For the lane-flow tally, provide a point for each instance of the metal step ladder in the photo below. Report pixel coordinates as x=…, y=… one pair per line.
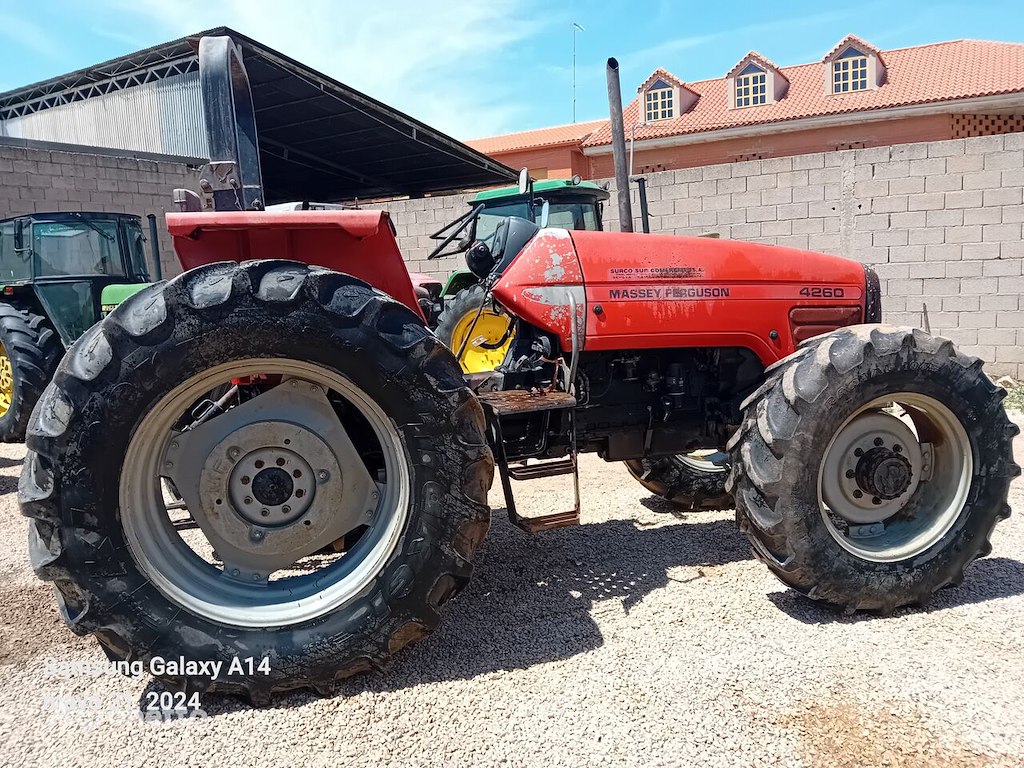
x=513, y=402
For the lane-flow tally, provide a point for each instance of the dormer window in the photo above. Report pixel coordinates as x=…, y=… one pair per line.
x=659, y=102
x=754, y=82
x=853, y=65
x=850, y=72
x=751, y=87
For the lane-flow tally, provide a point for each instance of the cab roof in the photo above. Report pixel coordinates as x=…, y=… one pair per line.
x=544, y=186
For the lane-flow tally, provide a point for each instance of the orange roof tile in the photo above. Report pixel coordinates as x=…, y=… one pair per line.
x=574, y=133
x=936, y=72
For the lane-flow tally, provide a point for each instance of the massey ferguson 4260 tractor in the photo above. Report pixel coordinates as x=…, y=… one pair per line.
x=263, y=457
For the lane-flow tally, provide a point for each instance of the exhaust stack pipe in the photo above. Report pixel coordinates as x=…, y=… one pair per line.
x=619, y=147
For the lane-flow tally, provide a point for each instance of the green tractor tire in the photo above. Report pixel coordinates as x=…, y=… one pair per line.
x=29, y=353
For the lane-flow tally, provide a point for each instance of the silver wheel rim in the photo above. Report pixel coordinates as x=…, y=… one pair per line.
x=703, y=461
x=195, y=584
x=895, y=477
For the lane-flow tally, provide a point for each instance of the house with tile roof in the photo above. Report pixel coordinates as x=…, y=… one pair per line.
x=856, y=96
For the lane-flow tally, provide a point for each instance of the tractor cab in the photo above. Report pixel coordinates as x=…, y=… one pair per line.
x=69, y=266
x=572, y=204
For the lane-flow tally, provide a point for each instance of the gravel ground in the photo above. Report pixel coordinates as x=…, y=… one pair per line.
x=639, y=637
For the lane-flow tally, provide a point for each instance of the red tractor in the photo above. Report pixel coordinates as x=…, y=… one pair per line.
x=271, y=455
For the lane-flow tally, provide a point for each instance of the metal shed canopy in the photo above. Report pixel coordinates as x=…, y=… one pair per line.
x=319, y=139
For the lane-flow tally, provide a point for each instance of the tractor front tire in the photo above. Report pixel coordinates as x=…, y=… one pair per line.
x=104, y=428
x=29, y=353
x=872, y=466
x=684, y=480
x=461, y=323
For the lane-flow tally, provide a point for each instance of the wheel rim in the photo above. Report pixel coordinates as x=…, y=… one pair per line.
x=6, y=381
x=316, y=583
x=709, y=461
x=489, y=329
x=895, y=477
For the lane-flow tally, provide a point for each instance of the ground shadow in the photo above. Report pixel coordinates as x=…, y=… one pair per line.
x=988, y=579
x=8, y=485
x=531, y=597
x=7, y=462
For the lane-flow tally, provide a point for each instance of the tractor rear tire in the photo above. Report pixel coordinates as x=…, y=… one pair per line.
x=32, y=351
x=456, y=329
x=896, y=522
x=684, y=483
x=222, y=317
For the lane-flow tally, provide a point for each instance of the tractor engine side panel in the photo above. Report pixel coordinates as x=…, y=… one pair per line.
x=649, y=291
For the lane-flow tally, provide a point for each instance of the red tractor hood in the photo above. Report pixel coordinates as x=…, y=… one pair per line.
x=636, y=291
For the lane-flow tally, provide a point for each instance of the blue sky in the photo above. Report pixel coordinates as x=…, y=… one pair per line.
x=488, y=66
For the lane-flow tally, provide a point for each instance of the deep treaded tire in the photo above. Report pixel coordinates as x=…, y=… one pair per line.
x=34, y=351
x=206, y=317
x=788, y=424
x=685, y=486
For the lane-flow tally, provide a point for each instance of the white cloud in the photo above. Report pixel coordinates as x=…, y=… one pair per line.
x=428, y=58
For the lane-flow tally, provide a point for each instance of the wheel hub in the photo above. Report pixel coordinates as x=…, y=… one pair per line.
x=883, y=473
x=272, y=486
x=872, y=469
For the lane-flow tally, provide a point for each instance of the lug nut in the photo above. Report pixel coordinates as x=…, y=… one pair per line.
x=259, y=463
x=234, y=453
x=858, y=452
x=851, y=474
x=247, y=500
x=897, y=448
x=878, y=442
x=875, y=500
x=255, y=577
x=281, y=462
x=265, y=512
x=286, y=509
x=857, y=494
x=297, y=473
x=322, y=475
x=257, y=534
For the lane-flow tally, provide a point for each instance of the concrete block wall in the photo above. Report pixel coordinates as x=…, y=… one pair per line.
x=415, y=220
x=34, y=180
x=941, y=223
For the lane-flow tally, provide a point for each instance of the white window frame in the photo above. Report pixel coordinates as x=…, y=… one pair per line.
x=850, y=74
x=751, y=90
x=659, y=104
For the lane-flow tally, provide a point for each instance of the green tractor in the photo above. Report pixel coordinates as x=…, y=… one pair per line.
x=481, y=335
x=59, y=274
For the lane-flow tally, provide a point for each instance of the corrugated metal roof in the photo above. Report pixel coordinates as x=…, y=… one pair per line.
x=319, y=139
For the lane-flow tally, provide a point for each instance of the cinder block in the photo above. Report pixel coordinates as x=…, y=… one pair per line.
x=779, y=196
x=908, y=220
x=964, y=268
x=983, y=144
x=952, y=217
x=982, y=179
x=967, y=234
x=1013, y=214
x=714, y=172
x=998, y=336
x=777, y=165
x=871, y=188
x=909, y=151
x=807, y=162
x=809, y=194
x=901, y=251
x=792, y=211
x=1009, y=319
x=732, y=216
x=909, y=186
x=704, y=219
x=808, y=226
x=927, y=269
x=1013, y=178
x=763, y=213
x=927, y=236
x=686, y=175
x=1000, y=267
x=746, y=168
x=983, y=215
x=1000, y=302
x=928, y=201
x=971, y=198
x=890, y=204
x=745, y=231
x=980, y=250
x=764, y=181
x=872, y=155
x=965, y=163
x=777, y=228
x=687, y=205
x=825, y=243
x=961, y=336
x=1013, y=285
x=732, y=184
x=995, y=233
x=1005, y=160
x=946, y=148
x=716, y=203
x=702, y=188
x=943, y=252
x=1011, y=250
x=893, y=271
x=977, y=286
x=950, y=182
x=675, y=191
x=792, y=179
x=894, y=169
x=961, y=303
x=1013, y=141
x=825, y=176
x=821, y=208
x=932, y=166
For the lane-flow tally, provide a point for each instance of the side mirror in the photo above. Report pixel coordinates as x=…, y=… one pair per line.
x=545, y=210
x=19, y=235
x=524, y=180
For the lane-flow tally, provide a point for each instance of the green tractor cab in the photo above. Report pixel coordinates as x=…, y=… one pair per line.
x=59, y=274
x=480, y=337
